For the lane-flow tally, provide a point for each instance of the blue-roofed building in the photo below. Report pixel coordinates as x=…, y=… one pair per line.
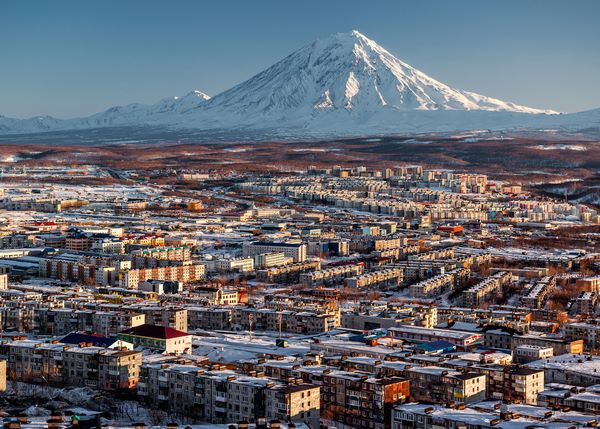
x=435, y=347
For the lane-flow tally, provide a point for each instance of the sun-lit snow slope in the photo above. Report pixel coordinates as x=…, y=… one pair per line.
x=342, y=85
x=346, y=71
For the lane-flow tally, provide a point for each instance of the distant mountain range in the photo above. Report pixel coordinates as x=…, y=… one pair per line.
x=344, y=85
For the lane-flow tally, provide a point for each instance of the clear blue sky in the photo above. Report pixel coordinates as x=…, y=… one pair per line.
x=74, y=58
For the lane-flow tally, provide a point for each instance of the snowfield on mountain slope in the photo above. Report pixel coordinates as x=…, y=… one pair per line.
x=346, y=78
x=342, y=85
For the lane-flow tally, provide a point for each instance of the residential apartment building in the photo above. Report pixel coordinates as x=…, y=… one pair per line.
x=588, y=332
x=170, y=316
x=438, y=285
x=330, y=276
x=486, y=290
x=507, y=339
x=223, y=265
x=328, y=247
x=217, y=295
x=441, y=385
x=222, y=396
x=274, y=259
x=210, y=318
x=173, y=253
x=297, y=251
x=375, y=243
x=536, y=295
x=359, y=400
x=83, y=365
x=425, y=317
x=61, y=321
x=589, y=284
x=389, y=277
x=513, y=383
x=587, y=302
x=294, y=402
x=424, y=416
x=528, y=353
x=287, y=273
x=15, y=241
x=130, y=279
x=300, y=322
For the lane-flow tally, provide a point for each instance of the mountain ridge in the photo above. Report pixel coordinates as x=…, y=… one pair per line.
x=340, y=85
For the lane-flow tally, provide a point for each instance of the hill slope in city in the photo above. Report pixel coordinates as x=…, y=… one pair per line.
x=342, y=85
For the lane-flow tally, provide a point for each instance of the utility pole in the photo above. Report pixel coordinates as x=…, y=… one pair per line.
x=250, y=320
x=279, y=321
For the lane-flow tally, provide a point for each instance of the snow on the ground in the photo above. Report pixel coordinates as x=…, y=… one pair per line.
x=232, y=347
x=316, y=150
x=478, y=139
x=573, y=147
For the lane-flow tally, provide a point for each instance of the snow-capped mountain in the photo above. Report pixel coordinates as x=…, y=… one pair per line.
x=164, y=112
x=345, y=72
x=180, y=104
x=345, y=84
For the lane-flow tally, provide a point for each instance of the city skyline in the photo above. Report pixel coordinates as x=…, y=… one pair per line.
x=229, y=214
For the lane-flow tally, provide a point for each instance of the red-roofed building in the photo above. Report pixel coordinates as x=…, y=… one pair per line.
x=455, y=229
x=45, y=226
x=163, y=338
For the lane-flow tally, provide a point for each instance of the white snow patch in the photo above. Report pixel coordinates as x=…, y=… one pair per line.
x=11, y=158
x=415, y=141
x=325, y=101
x=316, y=150
x=478, y=139
x=574, y=147
x=352, y=88
x=237, y=149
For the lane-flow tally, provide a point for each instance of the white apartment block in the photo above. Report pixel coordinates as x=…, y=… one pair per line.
x=380, y=278
x=130, y=279
x=331, y=276
x=296, y=251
